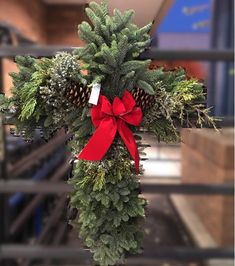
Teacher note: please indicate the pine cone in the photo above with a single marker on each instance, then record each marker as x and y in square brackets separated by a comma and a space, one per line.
[143, 99]
[77, 95]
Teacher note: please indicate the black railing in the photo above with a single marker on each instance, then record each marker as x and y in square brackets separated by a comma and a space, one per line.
[45, 188]
[64, 252]
[152, 53]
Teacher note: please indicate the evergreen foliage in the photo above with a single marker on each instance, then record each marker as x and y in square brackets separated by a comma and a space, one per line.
[38, 94]
[113, 45]
[106, 193]
[106, 196]
[27, 106]
[177, 103]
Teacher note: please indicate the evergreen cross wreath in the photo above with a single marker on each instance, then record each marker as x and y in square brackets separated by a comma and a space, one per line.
[54, 93]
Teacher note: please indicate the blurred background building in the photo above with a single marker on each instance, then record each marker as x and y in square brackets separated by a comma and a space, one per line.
[176, 220]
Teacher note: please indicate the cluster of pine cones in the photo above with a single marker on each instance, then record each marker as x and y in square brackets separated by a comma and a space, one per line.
[79, 96]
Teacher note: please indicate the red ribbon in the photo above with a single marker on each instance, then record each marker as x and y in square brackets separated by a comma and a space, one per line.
[108, 119]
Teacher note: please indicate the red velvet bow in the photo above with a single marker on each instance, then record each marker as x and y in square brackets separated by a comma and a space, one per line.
[108, 118]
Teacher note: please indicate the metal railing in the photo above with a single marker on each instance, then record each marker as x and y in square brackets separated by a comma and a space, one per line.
[47, 187]
[63, 252]
[152, 53]
[11, 251]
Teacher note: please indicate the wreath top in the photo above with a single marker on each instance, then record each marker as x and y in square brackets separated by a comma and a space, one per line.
[52, 93]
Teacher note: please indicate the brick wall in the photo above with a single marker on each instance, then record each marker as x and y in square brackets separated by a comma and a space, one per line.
[207, 157]
[27, 16]
[41, 23]
[8, 66]
[61, 24]
[49, 24]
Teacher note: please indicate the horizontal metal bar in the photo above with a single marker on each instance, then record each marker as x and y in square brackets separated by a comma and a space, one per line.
[65, 252]
[190, 189]
[33, 50]
[152, 53]
[200, 55]
[44, 187]
[159, 159]
[32, 187]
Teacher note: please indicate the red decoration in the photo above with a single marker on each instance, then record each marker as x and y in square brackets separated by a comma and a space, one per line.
[108, 119]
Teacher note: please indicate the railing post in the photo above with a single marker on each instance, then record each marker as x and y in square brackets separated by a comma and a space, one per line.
[3, 198]
[2, 177]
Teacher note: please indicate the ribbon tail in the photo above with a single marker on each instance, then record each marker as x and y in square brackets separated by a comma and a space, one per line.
[129, 140]
[100, 142]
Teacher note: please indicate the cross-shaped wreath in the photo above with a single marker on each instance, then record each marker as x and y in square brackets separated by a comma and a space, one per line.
[126, 95]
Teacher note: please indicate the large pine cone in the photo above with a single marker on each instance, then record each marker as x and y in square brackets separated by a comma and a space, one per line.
[77, 95]
[143, 99]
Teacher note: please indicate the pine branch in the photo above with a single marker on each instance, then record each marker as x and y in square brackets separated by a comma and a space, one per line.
[121, 21]
[100, 10]
[145, 86]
